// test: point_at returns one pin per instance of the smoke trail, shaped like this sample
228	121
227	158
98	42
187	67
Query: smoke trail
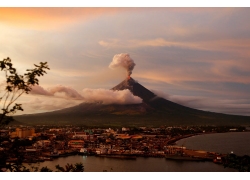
89	95
123	60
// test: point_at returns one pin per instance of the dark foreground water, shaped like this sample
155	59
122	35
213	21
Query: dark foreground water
222	143
99	164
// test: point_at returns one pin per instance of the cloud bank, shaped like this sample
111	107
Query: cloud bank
89	95
110	96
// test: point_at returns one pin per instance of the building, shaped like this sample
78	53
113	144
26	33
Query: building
81	135
23	132
76	144
125	129
55	130
43	143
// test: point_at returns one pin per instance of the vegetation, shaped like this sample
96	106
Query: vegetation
78	167
17	85
241	163
14	154
13	157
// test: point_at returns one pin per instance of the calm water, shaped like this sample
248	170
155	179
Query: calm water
223	143
238	142
99	164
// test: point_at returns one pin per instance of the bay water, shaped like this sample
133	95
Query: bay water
236	142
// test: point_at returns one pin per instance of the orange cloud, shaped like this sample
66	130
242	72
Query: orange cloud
218	72
237	45
50	18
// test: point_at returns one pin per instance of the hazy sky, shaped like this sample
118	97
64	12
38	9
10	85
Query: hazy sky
198	57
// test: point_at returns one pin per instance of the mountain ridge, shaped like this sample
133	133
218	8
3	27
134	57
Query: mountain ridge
153	111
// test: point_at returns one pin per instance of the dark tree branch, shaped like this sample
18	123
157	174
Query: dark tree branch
16	86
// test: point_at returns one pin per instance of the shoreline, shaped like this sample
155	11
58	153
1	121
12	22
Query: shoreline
170	142
175	139
125	156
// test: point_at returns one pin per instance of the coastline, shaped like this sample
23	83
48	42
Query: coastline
175	139
235	142
172	141
200	154
183	159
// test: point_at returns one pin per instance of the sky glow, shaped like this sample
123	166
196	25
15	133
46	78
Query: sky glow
198	57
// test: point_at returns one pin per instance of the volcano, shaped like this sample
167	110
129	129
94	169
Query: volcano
153	111
136	89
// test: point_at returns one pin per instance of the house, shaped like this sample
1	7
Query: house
76	144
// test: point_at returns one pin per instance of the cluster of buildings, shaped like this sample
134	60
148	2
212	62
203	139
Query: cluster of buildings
44	142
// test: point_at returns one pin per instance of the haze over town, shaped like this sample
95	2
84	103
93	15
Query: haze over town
198	57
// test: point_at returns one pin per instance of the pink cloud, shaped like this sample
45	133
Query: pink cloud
104	96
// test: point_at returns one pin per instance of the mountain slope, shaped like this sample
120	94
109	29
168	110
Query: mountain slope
153	111
136	89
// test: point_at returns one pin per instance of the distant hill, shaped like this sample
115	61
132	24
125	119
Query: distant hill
153	111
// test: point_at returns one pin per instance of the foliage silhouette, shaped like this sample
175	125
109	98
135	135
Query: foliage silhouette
241	163
78	167
17	85
45	169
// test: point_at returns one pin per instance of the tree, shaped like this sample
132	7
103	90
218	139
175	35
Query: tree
13	151
241	163
45	169
78	167
17	85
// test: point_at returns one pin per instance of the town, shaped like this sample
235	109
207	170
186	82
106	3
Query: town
41	143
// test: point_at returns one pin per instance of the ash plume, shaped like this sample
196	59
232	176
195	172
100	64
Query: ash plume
123	60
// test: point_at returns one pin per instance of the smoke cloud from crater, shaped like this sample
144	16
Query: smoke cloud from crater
123	60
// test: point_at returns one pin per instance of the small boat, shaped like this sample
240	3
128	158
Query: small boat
54	153
217	160
47	158
83	151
